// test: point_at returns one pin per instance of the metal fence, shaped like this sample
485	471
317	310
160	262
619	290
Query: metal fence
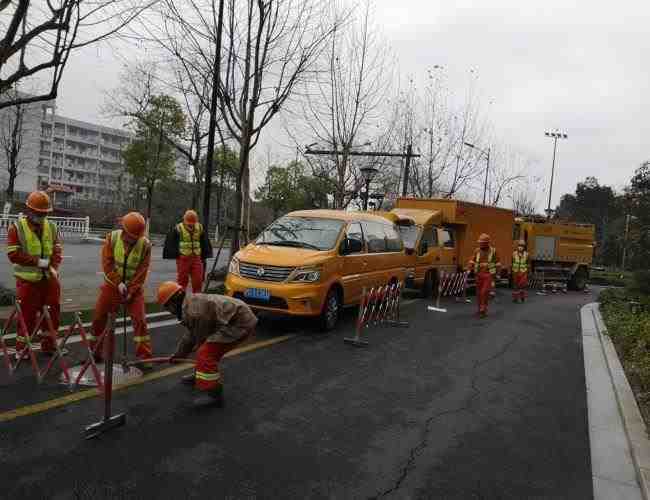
69	227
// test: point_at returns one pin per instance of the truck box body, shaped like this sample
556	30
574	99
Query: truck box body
469	221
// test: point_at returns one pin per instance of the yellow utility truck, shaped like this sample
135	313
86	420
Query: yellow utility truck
441	235
558	251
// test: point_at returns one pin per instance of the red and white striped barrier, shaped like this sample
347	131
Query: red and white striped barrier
450	285
379	306
44	322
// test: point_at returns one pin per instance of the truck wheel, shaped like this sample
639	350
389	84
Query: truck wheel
331	311
579	280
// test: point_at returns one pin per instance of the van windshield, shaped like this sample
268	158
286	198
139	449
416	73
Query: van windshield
409	235
302	232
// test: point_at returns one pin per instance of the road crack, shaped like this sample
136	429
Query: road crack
424	441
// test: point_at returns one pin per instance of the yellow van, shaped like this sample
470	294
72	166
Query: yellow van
314	262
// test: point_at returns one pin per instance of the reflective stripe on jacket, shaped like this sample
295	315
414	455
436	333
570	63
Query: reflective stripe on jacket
491	263
519	262
189	242
126	265
31	244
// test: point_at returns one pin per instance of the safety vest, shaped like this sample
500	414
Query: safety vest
519	262
189	245
31	244
126	265
491	261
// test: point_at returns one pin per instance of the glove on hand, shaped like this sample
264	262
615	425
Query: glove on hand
43	263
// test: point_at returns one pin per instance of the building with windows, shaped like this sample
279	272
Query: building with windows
79	160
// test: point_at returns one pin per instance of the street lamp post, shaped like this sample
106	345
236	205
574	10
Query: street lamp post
555	135
628	218
368	174
487	166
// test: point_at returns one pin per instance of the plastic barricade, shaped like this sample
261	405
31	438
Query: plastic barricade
451	285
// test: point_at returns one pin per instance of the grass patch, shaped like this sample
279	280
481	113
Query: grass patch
630	333
611	278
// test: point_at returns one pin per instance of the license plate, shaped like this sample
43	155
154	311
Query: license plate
257	293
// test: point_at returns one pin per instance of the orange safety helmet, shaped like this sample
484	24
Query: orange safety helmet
134	224
167	290
190	217
484	238
39	201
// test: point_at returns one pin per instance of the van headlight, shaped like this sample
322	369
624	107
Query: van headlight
233	267
305	275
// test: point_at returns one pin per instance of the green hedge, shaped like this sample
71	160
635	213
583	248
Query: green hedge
630	332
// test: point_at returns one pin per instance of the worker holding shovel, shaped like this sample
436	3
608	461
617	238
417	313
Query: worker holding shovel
215	325
34	248
126	256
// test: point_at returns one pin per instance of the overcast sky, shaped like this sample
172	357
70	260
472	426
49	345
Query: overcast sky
580	66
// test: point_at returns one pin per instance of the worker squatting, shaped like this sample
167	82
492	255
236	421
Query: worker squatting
215	324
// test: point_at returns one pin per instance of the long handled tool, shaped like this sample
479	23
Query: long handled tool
109	421
164	359
437	308
125	344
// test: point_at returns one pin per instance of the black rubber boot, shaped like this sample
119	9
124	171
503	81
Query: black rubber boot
188	379
209	399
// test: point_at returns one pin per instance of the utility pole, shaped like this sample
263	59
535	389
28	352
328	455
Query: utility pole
555	135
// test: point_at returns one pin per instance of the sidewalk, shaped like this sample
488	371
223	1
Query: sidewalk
616	430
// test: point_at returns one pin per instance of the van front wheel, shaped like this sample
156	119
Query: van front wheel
331	310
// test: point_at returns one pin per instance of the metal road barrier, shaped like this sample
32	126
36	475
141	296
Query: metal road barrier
69	227
44	321
451	285
379	306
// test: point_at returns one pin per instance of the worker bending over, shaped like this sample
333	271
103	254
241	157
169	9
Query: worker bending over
215	325
126	256
34	248
189	244
486	266
520	272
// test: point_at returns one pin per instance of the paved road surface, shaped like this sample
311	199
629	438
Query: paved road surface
81	272
452	408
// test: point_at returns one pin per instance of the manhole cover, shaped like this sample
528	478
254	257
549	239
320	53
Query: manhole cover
119	375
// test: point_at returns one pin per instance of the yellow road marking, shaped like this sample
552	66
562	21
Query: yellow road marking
89	393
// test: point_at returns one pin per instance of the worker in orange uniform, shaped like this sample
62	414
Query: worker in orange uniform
486	266
215	325
126	256
34	248
520	272
189	244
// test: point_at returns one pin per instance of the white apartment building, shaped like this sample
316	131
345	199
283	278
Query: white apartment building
81	160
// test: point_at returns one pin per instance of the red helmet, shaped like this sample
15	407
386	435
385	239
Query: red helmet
39	201
190	217
134	224
167	290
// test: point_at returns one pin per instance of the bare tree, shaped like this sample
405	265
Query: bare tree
524	199
11	142
343	104
508	171
54	30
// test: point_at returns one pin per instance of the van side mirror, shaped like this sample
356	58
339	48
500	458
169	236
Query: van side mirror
424	247
351	246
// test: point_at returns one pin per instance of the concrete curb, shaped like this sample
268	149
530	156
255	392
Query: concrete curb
629	420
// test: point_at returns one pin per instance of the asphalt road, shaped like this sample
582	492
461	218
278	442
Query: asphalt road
452	407
81	272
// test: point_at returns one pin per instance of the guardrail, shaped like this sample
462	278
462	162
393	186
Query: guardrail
68	226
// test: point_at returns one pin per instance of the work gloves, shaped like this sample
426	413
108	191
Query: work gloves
124	291
43	263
